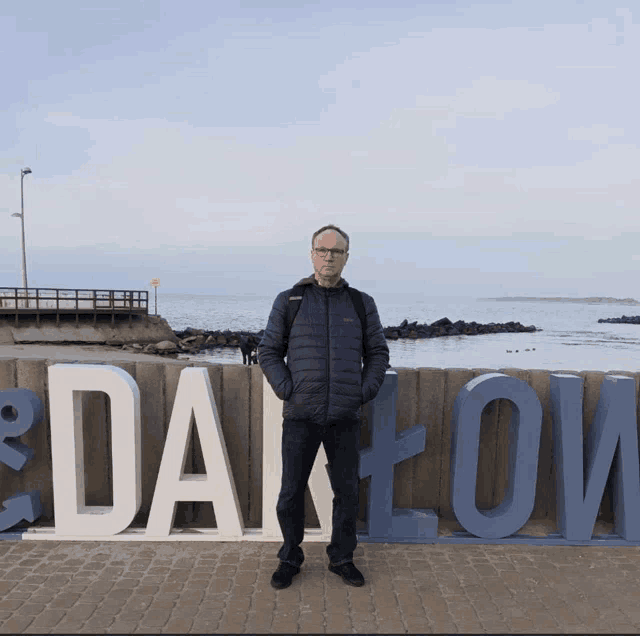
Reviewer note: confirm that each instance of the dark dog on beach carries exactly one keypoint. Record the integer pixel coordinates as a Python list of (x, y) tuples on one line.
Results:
[(247, 345)]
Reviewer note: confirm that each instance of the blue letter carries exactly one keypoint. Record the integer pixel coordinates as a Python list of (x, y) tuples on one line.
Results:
[(20, 410), (524, 441), (387, 449), (614, 429)]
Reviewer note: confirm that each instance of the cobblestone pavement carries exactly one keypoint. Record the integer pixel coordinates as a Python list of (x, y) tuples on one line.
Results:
[(208, 587)]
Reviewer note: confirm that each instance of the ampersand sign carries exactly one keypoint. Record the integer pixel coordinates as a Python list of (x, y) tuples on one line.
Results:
[(20, 411)]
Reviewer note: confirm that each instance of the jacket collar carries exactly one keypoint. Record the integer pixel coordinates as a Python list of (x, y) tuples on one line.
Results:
[(311, 280)]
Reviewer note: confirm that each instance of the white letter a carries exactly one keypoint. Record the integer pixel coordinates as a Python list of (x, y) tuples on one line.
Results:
[(194, 394)]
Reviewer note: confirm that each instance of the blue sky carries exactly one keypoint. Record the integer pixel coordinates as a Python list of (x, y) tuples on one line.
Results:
[(468, 148)]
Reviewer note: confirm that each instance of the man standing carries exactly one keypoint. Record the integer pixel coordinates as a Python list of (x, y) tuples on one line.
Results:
[(323, 385)]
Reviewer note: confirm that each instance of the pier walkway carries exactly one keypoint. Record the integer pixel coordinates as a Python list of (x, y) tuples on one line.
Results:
[(18, 302)]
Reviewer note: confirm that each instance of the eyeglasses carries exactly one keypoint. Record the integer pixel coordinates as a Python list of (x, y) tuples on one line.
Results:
[(323, 251)]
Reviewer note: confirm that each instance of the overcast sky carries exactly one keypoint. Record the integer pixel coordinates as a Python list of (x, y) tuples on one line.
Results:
[(467, 148)]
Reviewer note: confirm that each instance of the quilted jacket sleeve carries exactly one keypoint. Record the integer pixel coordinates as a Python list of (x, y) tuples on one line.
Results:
[(271, 349), (377, 361)]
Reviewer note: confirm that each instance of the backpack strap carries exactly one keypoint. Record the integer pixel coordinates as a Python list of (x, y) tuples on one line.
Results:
[(295, 299), (358, 303)]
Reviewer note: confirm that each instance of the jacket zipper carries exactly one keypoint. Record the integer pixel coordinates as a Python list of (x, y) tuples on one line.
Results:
[(326, 296)]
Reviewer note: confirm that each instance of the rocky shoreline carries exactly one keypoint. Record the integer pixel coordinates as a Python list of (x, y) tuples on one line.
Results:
[(192, 341)]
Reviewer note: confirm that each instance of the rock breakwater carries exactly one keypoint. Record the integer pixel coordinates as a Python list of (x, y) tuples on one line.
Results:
[(444, 327), (627, 320), (193, 341)]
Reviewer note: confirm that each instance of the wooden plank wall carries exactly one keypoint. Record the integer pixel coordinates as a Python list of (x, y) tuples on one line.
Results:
[(425, 397)]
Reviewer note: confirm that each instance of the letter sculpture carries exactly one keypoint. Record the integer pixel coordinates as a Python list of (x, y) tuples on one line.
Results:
[(20, 411), (614, 432), (387, 449), (524, 441), (73, 516)]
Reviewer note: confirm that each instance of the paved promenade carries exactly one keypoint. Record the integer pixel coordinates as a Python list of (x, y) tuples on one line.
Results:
[(214, 587)]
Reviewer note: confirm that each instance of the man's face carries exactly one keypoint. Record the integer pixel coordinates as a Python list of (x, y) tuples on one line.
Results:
[(329, 266)]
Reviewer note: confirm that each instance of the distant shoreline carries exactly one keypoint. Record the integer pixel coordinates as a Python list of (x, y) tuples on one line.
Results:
[(594, 299)]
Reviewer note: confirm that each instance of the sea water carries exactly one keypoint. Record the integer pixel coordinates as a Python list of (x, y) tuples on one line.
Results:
[(572, 338)]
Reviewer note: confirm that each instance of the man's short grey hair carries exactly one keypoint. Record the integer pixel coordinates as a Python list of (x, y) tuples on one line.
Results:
[(330, 227)]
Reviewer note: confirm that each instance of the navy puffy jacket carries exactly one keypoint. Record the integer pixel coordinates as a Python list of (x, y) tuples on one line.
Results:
[(323, 380)]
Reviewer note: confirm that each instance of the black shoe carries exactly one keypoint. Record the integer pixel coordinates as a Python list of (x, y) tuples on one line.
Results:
[(349, 573), (282, 576)]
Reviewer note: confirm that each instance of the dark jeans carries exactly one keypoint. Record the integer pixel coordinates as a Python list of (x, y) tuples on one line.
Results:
[(300, 443)]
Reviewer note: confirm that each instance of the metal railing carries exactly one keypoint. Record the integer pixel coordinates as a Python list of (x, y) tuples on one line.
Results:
[(18, 301)]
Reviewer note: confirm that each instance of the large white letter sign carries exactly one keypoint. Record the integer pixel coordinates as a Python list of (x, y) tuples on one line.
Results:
[(614, 430), (73, 517), (524, 442), (194, 394)]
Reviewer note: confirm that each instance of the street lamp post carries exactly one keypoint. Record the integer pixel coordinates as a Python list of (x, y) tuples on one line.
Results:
[(24, 253)]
